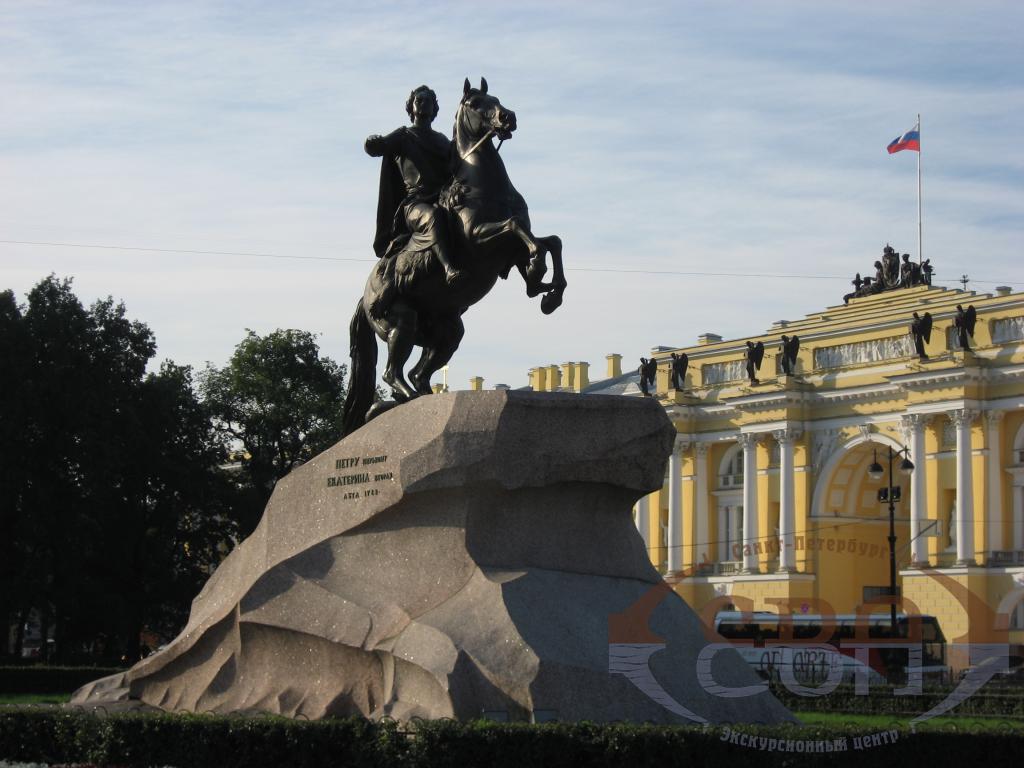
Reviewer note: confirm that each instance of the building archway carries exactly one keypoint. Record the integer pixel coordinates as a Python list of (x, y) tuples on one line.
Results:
[(849, 526), (847, 457)]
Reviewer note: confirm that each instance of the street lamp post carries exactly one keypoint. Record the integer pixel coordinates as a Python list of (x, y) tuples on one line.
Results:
[(875, 472)]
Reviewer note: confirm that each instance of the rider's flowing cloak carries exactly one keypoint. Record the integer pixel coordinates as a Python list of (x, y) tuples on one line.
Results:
[(390, 196), (393, 232)]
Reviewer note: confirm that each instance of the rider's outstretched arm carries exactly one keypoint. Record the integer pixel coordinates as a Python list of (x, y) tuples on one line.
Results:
[(376, 146)]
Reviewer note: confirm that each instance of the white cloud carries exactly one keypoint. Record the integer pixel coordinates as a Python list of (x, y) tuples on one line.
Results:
[(693, 137)]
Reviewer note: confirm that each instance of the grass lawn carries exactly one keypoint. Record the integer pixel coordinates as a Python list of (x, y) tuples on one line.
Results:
[(967, 723), (34, 698)]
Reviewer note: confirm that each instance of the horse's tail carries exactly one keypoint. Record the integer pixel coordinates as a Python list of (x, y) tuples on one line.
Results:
[(363, 373)]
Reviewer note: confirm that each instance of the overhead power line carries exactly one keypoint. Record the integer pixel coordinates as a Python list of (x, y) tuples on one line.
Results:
[(616, 270)]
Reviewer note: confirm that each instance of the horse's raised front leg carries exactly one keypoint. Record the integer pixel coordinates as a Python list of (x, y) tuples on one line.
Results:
[(401, 335), (445, 335), (553, 298), (553, 291), (533, 271)]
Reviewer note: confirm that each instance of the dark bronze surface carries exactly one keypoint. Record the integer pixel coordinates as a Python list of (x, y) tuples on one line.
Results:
[(648, 375), (680, 363), (891, 273), (449, 224), (921, 330), (964, 322), (755, 355), (789, 346)]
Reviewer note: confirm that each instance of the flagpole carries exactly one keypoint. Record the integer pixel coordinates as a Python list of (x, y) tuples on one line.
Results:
[(920, 256)]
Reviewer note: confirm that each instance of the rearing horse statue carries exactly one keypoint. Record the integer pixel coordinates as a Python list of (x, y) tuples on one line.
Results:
[(489, 231)]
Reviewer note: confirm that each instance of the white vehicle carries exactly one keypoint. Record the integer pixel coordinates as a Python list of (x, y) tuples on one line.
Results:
[(815, 648)]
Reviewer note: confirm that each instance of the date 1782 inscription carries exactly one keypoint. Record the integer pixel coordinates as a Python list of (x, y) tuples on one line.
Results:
[(360, 475)]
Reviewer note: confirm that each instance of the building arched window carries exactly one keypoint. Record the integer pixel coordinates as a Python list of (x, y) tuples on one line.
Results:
[(730, 505), (730, 471)]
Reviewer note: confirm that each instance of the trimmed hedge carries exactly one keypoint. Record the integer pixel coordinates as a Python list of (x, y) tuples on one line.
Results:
[(192, 740), (44, 679), (882, 700), (208, 741)]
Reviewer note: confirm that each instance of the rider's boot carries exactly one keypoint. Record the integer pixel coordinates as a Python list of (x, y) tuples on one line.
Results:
[(451, 274)]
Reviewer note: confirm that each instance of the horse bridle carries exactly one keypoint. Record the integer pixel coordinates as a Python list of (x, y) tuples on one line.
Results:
[(485, 137)]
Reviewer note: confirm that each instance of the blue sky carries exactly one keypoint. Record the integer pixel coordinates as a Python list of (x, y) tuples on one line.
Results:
[(728, 137)]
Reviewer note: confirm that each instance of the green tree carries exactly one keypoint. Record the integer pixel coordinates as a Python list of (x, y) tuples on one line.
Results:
[(14, 354), (111, 492), (279, 402)]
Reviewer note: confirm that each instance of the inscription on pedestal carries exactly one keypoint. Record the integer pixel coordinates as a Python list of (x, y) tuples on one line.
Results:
[(360, 475)]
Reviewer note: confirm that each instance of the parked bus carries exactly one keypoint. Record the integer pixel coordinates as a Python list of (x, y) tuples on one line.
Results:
[(814, 656)]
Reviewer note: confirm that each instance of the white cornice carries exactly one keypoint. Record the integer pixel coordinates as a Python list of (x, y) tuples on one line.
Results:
[(944, 406), (767, 400), (856, 370), (941, 379), (866, 392), (996, 375)]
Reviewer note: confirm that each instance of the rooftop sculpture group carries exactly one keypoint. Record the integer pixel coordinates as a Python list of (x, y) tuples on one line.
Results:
[(648, 371), (449, 224), (964, 322), (890, 274)]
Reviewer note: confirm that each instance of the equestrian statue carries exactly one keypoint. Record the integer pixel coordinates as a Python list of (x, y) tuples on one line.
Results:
[(449, 224)]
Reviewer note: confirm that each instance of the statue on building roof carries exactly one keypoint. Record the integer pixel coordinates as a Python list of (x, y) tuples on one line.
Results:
[(892, 271), (648, 371), (921, 330), (964, 323), (755, 354), (788, 349), (926, 271), (857, 284), (910, 273), (678, 370), (890, 267), (878, 284)]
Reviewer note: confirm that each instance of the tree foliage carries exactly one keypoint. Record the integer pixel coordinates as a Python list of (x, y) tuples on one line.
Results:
[(279, 402), (116, 499), (112, 507)]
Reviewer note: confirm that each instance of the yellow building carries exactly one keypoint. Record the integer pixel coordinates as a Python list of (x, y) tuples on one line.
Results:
[(768, 501)]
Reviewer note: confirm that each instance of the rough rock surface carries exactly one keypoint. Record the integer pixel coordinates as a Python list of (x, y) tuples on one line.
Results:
[(462, 554)]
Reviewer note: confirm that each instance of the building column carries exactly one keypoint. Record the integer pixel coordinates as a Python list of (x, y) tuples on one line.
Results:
[(964, 487), (643, 522), (674, 558), (913, 425), (994, 462), (703, 549), (787, 506), (750, 541)]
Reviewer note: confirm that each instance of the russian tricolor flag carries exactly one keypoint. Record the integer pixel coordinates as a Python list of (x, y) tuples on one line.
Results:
[(909, 140)]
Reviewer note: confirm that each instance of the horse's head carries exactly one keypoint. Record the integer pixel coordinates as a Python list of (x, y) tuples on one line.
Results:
[(479, 113)]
